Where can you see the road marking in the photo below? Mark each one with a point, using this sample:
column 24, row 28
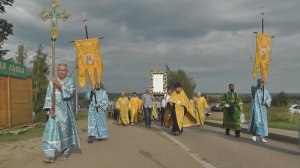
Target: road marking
column 194, row 155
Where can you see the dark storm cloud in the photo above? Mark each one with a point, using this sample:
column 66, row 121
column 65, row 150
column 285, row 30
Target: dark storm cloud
column 211, row 40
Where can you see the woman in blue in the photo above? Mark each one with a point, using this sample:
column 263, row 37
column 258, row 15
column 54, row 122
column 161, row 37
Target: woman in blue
column 97, row 125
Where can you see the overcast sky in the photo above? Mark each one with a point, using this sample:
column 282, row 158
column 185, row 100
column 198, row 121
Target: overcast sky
column 212, row 40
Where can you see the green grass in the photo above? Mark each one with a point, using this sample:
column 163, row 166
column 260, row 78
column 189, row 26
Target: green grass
column 35, row 132
column 41, row 116
column 82, row 115
column 31, row 133
column 278, row 117
column 284, row 125
column 218, row 116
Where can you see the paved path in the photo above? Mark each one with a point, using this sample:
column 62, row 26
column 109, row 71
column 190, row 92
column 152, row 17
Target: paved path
column 138, row 147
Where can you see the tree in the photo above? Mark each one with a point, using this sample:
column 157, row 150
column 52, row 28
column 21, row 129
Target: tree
column 40, row 71
column 82, row 101
column 281, row 99
column 29, row 72
column 5, row 27
column 187, row 83
column 3, row 3
column 21, row 55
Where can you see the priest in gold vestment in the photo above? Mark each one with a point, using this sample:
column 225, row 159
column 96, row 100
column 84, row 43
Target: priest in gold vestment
column 200, row 106
column 135, row 107
column 182, row 114
column 123, row 107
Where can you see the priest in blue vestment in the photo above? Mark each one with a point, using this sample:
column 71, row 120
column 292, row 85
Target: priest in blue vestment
column 97, row 125
column 260, row 104
column 60, row 132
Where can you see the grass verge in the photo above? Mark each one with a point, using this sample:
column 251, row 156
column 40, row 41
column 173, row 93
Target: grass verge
column 37, row 131
column 278, row 117
column 29, row 134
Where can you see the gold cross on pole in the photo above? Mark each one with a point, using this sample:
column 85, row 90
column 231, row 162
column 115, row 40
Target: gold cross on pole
column 54, row 13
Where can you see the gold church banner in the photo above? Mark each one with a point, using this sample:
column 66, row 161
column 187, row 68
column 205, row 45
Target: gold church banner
column 89, row 59
column 262, row 58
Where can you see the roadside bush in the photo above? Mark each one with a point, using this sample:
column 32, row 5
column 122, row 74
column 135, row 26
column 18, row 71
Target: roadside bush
column 281, row 99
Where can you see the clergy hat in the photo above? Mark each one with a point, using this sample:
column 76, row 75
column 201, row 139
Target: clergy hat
column 177, row 85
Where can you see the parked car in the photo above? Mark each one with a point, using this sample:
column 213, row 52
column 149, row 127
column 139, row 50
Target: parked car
column 295, row 108
column 216, row 107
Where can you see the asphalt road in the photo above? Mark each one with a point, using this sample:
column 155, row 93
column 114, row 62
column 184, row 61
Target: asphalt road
column 138, row 147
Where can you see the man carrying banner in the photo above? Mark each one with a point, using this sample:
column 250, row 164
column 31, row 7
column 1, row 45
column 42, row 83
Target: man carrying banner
column 89, row 60
column 261, row 101
column 97, row 126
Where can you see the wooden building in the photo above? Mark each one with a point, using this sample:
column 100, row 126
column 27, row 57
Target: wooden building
column 15, row 95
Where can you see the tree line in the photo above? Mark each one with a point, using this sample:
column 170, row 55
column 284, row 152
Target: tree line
column 6, row 28
column 40, row 68
column 38, row 73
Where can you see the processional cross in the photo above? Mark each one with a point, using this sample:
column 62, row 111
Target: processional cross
column 54, row 12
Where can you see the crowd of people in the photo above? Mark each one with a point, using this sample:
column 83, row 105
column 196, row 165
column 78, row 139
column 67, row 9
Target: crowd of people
column 148, row 108
column 173, row 109
column 176, row 111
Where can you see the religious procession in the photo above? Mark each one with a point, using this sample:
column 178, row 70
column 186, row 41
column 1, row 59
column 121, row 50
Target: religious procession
column 174, row 110
column 112, row 100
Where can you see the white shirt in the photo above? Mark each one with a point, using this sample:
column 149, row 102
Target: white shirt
column 165, row 100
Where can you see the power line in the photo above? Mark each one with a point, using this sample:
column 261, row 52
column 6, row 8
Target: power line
column 14, row 43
